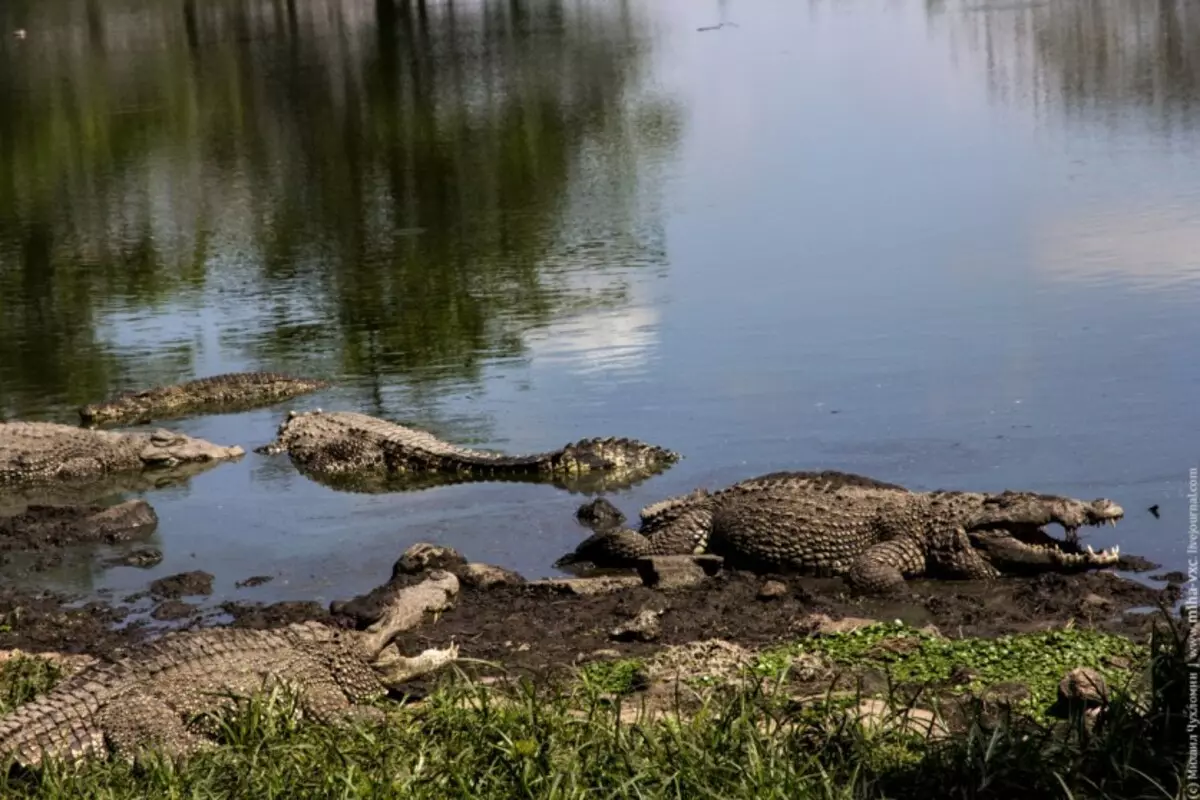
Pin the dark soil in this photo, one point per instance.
(42, 621)
(172, 610)
(45, 527)
(526, 627)
(185, 584)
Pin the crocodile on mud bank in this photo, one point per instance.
(875, 534)
(235, 391)
(364, 452)
(156, 695)
(47, 452)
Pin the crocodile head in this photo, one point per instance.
(1009, 530)
(164, 448)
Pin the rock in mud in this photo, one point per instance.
(184, 584)
(254, 580)
(1082, 686)
(645, 627)
(142, 557)
(772, 589)
(824, 625)
(1000, 698)
(585, 587)
(172, 610)
(42, 527)
(423, 557)
(677, 572)
(600, 514)
(486, 576)
(1136, 564)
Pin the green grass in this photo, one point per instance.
(917, 657)
(468, 740)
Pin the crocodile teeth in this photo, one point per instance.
(1091, 551)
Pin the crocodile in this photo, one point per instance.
(234, 391)
(50, 452)
(352, 450)
(872, 533)
(166, 694)
(43, 527)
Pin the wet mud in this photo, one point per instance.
(540, 626)
(45, 527)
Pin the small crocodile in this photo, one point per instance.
(329, 445)
(48, 452)
(159, 695)
(234, 391)
(43, 527)
(875, 534)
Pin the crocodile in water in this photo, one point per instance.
(353, 450)
(875, 534)
(235, 391)
(48, 452)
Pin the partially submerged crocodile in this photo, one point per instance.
(228, 392)
(47, 452)
(42, 527)
(157, 695)
(875, 534)
(332, 444)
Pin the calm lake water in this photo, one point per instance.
(947, 244)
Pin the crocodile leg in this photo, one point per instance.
(952, 556)
(138, 722)
(884, 566)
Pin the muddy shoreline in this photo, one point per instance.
(541, 625)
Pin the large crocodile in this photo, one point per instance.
(47, 452)
(156, 696)
(234, 391)
(353, 450)
(875, 534)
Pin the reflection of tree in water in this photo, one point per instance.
(1105, 57)
(384, 184)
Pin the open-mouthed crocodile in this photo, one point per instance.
(48, 452)
(875, 534)
(161, 695)
(355, 451)
(234, 391)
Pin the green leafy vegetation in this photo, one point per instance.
(534, 740)
(911, 656)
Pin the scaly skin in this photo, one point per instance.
(328, 444)
(42, 527)
(229, 392)
(875, 534)
(47, 452)
(151, 697)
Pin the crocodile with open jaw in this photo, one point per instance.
(234, 391)
(48, 452)
(332, 444)
(875, 534)
(157, 695)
